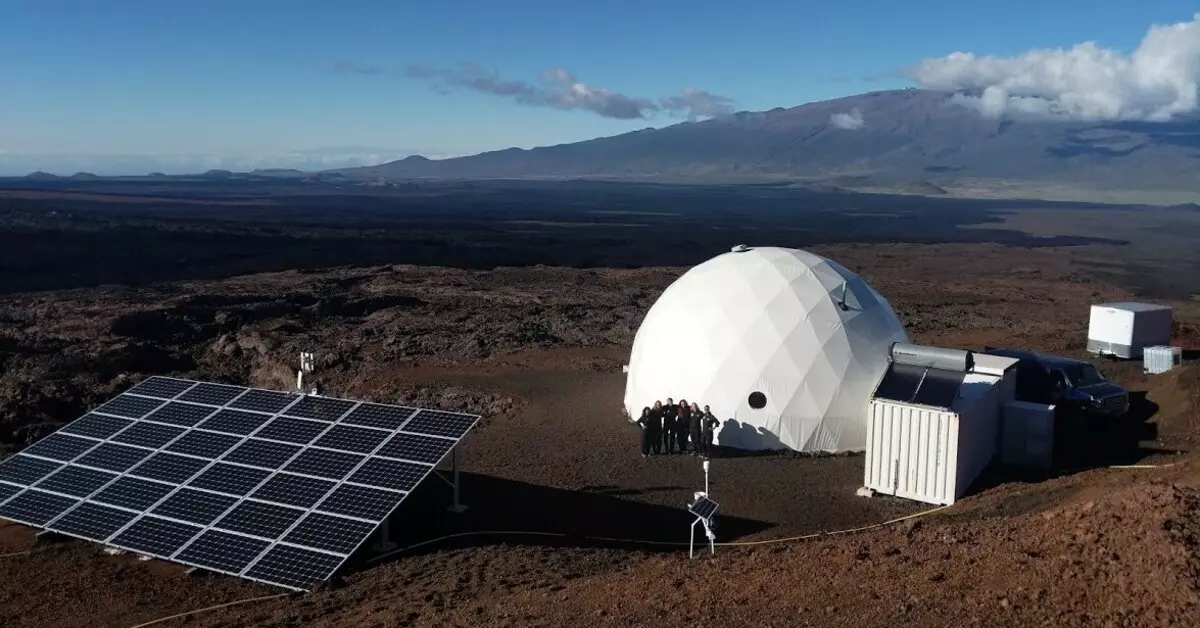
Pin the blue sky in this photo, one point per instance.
(129, 85)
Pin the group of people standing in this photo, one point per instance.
(669, 425)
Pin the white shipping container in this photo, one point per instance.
(1125, 329)
(1160, 359)
(1027, 435)
(933, 454)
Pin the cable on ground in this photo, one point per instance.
(210, 608)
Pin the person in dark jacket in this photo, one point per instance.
(683, 421)
(646, 421)
(656, 427)
(669, 411)
(708, 426)
(695, 424)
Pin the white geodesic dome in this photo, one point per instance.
(761, 336)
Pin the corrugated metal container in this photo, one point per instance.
(933, 454)
(1160, 359)
(1027, 435)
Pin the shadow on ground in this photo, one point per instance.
(500, 505)
(1083, 443)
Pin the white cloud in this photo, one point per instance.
(849, 121)
(1155, 82)
(560, 89)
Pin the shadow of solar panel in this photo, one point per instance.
(230, 478)
(129, 406)
(222, 551)
(76, 481)
(294, 490)
(194, 506)
(427, 449)
(156, 537)
(234, 422)
(324, 463)
(328, 532)
(299, 431)
(113, 457)
(212, 394)
(62, 447)
(939, 389)
(133, 493)
(320, 408)
(152, 435)
(182, 414)
(204, 444)
(8, 490)
(361, 440)
(269, 401)
(35, 508)
(900, 383)
(360, 501)
(21, 469)
(259, 519)
(92, 521)
(393, 474)
(295, 567)
(95, 426)
(439, 423)
(381, 416)
(169, 468)
(262, 453)
(161, 387)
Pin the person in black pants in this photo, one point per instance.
(708, 425)
(696, 419)
(669, 411)
(649, 435)
(683, 421)
(655, 429)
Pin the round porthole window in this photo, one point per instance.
(758, 401)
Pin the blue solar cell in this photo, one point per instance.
(76, 481)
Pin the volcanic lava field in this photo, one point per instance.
(521, 305)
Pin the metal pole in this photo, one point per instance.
(457, 507)
(692, 542)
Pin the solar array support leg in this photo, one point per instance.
(383, 540)
(457, 507)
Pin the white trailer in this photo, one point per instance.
(1124, 330)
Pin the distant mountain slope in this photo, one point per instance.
(906, 135)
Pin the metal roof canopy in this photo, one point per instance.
(276, 487)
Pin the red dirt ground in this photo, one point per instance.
(1090, 548)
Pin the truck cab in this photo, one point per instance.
(1073, 385)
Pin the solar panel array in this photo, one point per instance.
(271, 486)
(907, 383)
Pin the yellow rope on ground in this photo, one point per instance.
(655, 543)
(210, 608)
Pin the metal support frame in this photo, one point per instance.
(708, 532)
(457, 506)
(383, 541)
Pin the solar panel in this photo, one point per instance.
(908, 383)
(703, 507)
(266, 485)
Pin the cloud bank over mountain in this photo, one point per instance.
(1157, 81)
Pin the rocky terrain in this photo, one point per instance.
(538, 351)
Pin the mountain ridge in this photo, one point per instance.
(905, 135)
